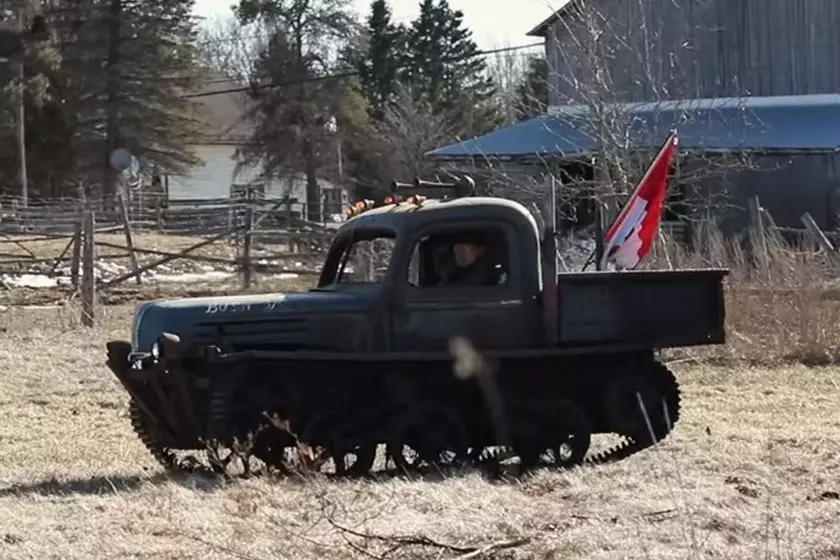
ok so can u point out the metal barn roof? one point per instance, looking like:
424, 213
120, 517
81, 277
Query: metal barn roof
781, 123
542, 27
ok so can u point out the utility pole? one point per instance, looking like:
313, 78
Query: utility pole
109, 178
12, 48
21, 123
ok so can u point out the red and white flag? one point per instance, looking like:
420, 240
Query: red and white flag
631, 235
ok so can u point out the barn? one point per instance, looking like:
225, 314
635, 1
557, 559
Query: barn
749, 85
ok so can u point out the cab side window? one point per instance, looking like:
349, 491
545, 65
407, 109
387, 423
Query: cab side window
464, 257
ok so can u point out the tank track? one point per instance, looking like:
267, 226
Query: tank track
160, 453
656, 377
631, 445
165, 456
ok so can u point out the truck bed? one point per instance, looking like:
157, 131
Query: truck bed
659, 308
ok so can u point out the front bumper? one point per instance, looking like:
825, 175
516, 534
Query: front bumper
170, 397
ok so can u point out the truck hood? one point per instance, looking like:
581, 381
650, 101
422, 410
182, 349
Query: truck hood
275, 320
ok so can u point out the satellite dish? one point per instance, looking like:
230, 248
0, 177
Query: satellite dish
134, 166
133, 173
121, 159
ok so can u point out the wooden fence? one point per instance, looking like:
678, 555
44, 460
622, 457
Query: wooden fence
81, 228
239, 224
181, 216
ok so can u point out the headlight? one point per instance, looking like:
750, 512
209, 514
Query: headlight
169, 344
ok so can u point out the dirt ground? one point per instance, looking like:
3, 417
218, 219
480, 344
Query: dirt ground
752, 470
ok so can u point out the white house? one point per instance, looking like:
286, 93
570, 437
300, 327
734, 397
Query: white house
224, 130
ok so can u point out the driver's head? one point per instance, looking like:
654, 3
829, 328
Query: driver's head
467, 250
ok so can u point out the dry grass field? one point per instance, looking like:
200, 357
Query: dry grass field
751, 471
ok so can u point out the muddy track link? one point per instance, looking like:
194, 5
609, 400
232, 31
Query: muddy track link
166, 457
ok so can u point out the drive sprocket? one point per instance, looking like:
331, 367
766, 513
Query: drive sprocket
660, 394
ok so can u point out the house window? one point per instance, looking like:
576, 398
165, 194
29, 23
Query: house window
242, 192
333, 200
471, 257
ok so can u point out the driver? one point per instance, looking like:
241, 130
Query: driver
472, 264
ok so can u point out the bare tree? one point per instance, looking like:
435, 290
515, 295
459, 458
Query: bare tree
410, 127
507, 70
611, 76
231, 48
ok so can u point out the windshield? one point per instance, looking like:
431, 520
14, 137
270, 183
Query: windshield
365, 259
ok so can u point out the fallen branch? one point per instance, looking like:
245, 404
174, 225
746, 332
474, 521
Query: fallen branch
498, 545
400, 541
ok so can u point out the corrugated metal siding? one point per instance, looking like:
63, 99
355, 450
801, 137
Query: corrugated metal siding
669, 49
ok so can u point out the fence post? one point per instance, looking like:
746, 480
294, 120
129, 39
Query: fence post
290, 241
129, 238
287, 200
246, 244
88, 294
75, 263
816, 233
757, 235
600, 232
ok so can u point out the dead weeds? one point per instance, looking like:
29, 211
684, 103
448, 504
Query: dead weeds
782, 306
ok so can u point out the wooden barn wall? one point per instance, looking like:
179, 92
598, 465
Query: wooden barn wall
669, 49
787, 186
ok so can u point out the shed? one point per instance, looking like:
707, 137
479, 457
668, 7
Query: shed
791, 147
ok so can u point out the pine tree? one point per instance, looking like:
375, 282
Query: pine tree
443, 62
292, 121
150, 65
99, 98
31, 48
379, 64
532, 93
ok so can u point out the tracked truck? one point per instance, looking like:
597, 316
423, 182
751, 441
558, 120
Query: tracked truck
383, 354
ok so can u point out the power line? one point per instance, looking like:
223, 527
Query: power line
348, 73
235, 38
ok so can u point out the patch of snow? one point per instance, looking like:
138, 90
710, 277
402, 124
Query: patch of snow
6, 307
209, 276
574, 250
30, 281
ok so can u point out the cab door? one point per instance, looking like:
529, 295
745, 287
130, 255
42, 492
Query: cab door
427, 315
